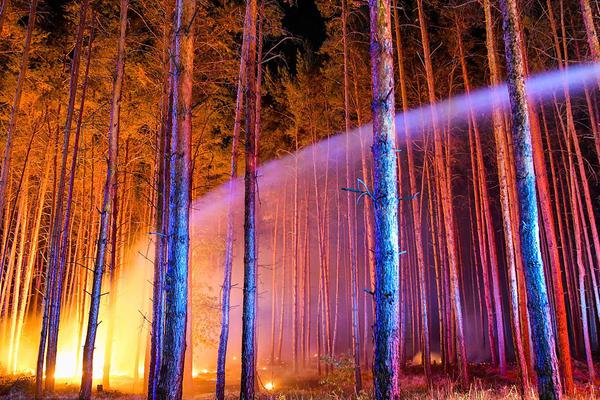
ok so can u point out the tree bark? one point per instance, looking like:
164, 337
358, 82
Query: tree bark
248, 378
385, 192
549, 385
170, 379
107, 211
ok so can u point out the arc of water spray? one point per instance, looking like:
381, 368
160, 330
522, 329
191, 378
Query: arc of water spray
455, 109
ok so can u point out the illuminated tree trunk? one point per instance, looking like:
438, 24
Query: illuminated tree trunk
486, 232
590, 28
107, 212
160, 223
507, 222
54, 277
416, 215
351, 245
179, 181
226, 288
274, 264
14, 111
248, 360
30, 265
385, 192
549, 386
447, 207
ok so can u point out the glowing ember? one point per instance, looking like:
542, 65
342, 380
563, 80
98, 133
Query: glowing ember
269, 386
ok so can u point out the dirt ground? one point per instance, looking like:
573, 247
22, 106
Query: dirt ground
485, 384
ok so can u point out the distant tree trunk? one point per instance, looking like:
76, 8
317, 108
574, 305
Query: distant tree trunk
352, 254
170, 379
106, 212
416, 217
549, 385
387, 268
54, 277
442, 168
248, 377
14, 111
486, 232
226, 294
160, 223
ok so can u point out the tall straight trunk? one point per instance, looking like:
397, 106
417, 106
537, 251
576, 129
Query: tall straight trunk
507, 221
226, 289
447, 207
487, 232
170, 379
14, 111
416, 215
107, 212
248, 360
549, 385
51, 313
160, 223
387, 268
352, 253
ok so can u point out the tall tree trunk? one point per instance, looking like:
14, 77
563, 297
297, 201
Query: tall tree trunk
226, 288
107, 212
54, 277
549, 385
387, 268
416, 215
352, 254
170, 379
507, 222
160, 223
248, 377
442, 169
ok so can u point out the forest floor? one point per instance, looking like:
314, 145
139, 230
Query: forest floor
485, 384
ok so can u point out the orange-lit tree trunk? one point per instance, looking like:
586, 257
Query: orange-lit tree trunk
486, 232
416, 216
107, 212
47, 350
447, 207
507, 221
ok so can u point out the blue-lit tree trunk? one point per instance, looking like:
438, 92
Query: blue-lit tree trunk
170, 380
250, 273
107, 212
546, 364
387, 293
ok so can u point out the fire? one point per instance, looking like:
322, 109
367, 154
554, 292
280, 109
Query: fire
269, 386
